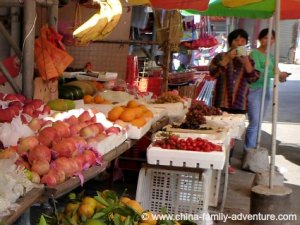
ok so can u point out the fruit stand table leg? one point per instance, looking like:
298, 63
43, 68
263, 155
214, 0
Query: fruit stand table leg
226, 181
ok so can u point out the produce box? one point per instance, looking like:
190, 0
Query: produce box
110, 142
234, 122
175, 111
137, 133
203, 158
158, 113
179, 191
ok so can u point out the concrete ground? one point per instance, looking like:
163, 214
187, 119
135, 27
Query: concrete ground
288, 150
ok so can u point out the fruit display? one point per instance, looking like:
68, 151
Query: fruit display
190, 144
61, 148
70, 92
133, 113
100, 25
195, 117
168, 97
61, 104
87, 87
13, 105
98, 99
105, 208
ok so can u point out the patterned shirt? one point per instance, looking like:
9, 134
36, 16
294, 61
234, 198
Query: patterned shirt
232, 83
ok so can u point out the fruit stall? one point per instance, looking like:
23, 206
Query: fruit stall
77, 124
59, 146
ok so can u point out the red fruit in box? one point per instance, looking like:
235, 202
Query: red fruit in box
47, 135
49, 179
66, 148
89, 131
10, 97
68, 165
79, 142
112, 130
37, 103
17, 104
6, 115
75, 128
28, 109
46, 110
71, 120
27, 143
41, 167
20, 97
35, 124
90, 157
85, 116
62, 128
39, 152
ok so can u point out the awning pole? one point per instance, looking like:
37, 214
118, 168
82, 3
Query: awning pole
275, 95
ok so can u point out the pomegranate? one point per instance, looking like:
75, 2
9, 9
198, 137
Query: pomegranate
47, 135
41, 167
39, 152
27, 143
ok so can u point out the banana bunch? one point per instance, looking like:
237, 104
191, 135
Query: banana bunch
100, 25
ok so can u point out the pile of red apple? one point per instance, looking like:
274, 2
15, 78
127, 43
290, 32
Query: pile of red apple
60, 149
12, 105
190, 144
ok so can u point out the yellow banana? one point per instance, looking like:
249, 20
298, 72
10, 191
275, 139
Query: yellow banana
91, 28
116, 13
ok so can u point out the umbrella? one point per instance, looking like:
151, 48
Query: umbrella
263, 9
200, 5
289, 10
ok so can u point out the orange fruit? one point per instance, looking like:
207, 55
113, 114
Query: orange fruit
139, 122
124, 199
90, 201
138, 112
132, 104
88, 99
86, 210
70, 207
135, 205
115, 113
98, 85
128, 115
99, 99
144, 108
148, 114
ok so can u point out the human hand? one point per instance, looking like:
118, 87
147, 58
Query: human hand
232, 53
283, 76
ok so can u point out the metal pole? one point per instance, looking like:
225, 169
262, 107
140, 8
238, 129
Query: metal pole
275, 95
9, 39
262, 106
28, 47
16, 88
53, 15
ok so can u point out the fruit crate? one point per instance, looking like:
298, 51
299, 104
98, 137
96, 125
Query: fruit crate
180, 191
179, 78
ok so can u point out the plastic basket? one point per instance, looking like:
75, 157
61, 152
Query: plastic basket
178, 191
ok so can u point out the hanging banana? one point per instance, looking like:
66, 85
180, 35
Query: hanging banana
100, 25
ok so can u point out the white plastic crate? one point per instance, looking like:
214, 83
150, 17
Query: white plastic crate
178, 191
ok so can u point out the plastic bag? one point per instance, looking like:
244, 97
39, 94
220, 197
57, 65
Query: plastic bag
50, 55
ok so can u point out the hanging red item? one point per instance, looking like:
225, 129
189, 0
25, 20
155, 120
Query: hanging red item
12, 64
289, 9
200, 5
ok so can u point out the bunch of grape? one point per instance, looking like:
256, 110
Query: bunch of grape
206, 110
169, 98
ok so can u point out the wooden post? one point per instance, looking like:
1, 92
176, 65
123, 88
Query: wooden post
167, 57
28, 59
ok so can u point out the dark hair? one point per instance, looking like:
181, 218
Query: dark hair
264, 33
235, 34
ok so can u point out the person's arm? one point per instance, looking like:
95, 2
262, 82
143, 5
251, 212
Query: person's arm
219, 63
251, 73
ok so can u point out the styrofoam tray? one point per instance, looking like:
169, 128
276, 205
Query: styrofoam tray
137, 133
110, 142
157, 114
183, 158
221, 138
176, 111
